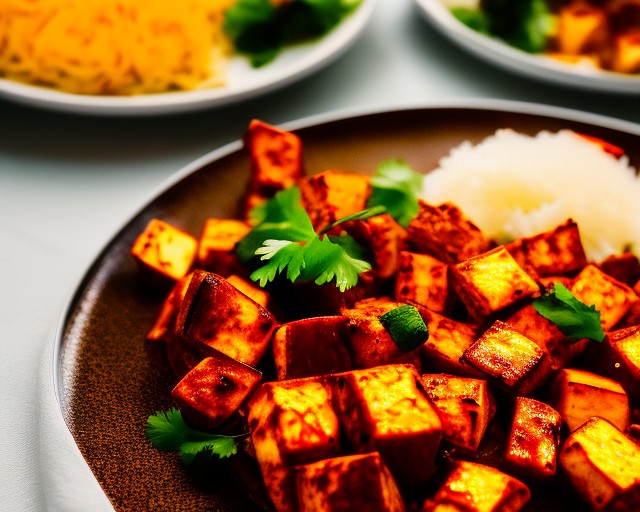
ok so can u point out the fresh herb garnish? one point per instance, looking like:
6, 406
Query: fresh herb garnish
574, 318
525, 24
396, 186
260, 28
406, 327
286, 240
168, 431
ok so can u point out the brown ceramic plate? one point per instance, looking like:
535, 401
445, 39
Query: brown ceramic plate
110, 379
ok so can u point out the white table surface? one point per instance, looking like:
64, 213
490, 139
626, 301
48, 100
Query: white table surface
68, 182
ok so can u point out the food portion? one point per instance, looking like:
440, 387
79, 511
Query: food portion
368, 349
603, 34
129, 47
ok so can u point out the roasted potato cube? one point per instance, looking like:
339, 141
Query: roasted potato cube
214, 390
611, 297
292, 423
311, 346
351, 482
446, 233
164, 253
555, 252
465, 407
545, 333
385, 238
370, 343
386, 409
276, 157
619, 358
216, 248
216, 314
582, 28
534, 440
448, 339
603, 465
332, 195
509, 358
491, 282
580, 394
423, 279
473, 487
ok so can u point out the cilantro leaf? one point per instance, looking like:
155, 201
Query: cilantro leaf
574, 318
168, 431
396, 186
285, 241
406, 327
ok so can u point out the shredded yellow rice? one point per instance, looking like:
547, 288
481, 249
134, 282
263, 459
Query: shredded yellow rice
115, 47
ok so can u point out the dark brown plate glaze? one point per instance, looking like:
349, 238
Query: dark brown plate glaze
110, 379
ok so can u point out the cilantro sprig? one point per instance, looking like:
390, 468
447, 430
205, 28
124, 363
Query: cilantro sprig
286, 242
260, 28
168, 431
406, 327
396, 186
574, 318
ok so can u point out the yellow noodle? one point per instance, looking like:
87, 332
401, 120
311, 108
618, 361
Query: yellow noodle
116, 47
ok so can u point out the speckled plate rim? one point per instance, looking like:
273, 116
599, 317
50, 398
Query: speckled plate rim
513, 107
244, 82
538, 67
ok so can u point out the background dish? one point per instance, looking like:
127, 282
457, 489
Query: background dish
532, 66
109, 380
244, 82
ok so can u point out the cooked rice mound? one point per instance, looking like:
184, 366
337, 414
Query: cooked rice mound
512, 185
114, 47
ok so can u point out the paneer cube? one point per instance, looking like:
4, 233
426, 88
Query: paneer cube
603, 465
527, 321
555, 252
214, 390
369, 341
292, 423
534, 440
216, 314
509, 358
446, 233
465, 406
164, 327
626, 57
276, 157
448, 340
311, 346
216, 248
164, 253
582, 27
473, 487
260, 295
332, 195
352, 482
491, 282
580, 394
386, 409
423, 279
385, 238
624, 267
611, 297
619, 358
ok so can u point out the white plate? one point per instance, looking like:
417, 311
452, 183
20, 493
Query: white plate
244, 81
532, 66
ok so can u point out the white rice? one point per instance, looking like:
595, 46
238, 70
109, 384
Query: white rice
513, 185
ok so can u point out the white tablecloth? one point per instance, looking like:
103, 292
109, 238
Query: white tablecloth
68, 182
